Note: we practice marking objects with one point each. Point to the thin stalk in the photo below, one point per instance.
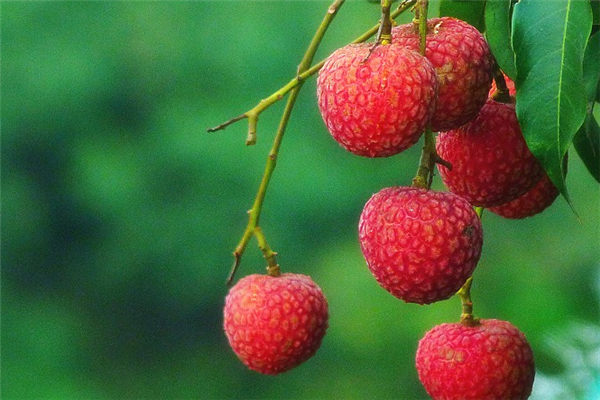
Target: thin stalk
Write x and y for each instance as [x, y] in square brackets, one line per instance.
[272, 266]
[501, 94]
[253, 114]
[421, 19]
[429, 156]
[384, 34]
[424, 176]
[254, 214]
[466, 317]
[256, 209]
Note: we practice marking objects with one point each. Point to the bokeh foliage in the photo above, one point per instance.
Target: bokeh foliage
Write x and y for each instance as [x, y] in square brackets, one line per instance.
[120, 213]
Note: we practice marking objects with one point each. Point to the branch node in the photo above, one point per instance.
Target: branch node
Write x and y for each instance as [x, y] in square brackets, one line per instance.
[252, 122]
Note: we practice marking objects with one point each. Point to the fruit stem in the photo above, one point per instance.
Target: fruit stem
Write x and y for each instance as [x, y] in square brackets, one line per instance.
[429, 158]
[252, 228]
[420, 23]
[384, 34]
[301, 76]
[272, 266]
[501, 95]
[424, 176]
[467, 318]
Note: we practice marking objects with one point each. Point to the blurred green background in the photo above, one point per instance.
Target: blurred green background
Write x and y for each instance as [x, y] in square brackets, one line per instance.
[120, 212]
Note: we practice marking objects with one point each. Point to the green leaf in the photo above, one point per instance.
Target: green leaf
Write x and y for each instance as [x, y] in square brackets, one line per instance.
[471, 11]
[587, 144]
[596, 11]
[549, 39]
[587, 139]
[591, 67]
[497, 32]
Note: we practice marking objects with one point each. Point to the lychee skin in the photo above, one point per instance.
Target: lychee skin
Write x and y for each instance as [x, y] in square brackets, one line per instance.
[274, 324]
[376, 105]
[463, 63]
[491, 163]
[491, 361]
[420, 245]
[533, 202]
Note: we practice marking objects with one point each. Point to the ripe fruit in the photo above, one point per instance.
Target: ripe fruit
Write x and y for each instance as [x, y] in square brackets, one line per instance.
[491, 163]
[376, 105]
[536, 200]
[463, 63]
[420, 245]
[274, 324]
[490, 361]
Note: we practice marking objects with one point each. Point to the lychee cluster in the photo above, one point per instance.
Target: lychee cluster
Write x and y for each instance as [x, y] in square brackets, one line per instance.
[462, 62]
[377, 101]
[421, 245]
[492, 166]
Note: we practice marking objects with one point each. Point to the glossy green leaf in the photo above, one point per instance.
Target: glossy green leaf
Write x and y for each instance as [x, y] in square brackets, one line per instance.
[591, 67]
[549, 39]
[497, 32]
[587, 144]
[587, 139]
[471, 11]
[596, 11]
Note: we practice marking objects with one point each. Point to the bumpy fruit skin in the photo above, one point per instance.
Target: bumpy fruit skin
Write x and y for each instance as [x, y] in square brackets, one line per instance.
[274, 324]
[420, 245]
[491, 163]
[492, 361]
[463, 63]
[536, 200]
[376, 105]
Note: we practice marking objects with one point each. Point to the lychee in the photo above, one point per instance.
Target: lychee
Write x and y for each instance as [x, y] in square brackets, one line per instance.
[533, 202]
[463, 63]
[489, 361]
[421, 245]
[274, 324]
[376, 102]
[491, 163]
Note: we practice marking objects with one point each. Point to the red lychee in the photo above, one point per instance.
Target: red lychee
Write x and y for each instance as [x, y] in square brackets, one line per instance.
[491, 163]
[463, 63]
[533, 202]
[274, 324]
[376, 104]
[420, 245]
[490, 361]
